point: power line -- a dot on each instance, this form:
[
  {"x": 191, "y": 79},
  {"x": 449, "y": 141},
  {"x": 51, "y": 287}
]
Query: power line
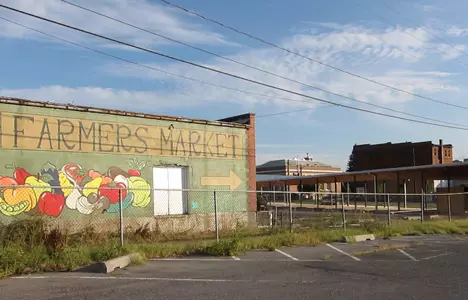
[
  {"x": 311, "y": 59},
  {"x": 154, "y": 68},
  {"x": 292, "y": 111},
  {"x": 385, "y": 20},
  {"x": 427, "y": 31},
  {"x": 223, "y": 72},
  {"x": 250, "y": 66},
  {"x": 176, "y": 75}
]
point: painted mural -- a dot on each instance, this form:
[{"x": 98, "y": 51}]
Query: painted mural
[{"x": 51, "y": 189}]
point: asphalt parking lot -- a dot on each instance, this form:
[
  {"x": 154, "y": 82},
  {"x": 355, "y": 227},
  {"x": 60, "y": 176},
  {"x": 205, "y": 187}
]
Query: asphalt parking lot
[{"x": 428, "y": 267}]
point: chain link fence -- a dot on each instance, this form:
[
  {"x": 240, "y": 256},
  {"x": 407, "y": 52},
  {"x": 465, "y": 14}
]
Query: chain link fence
[{"x": 156, "y": 214}]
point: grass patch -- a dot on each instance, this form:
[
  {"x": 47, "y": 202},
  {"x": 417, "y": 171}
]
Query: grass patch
[{"x": 26, "y": 247}]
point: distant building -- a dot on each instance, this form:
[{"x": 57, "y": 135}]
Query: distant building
[
  {"x": 388, "y": 155},
  {"x": 297, "y": 167}
]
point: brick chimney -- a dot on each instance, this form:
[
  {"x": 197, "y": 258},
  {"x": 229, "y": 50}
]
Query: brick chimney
[{"x": 441, "y": 151}]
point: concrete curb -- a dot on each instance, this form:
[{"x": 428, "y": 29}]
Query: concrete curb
[
  {"x": 359, "y": 238},
  {"x": 108, "y": 266}
]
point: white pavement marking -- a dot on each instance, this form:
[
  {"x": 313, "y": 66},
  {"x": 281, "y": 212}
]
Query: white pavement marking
[
  {"x": 345, "y": 253},
  {"x": 285, "y": 254},
  {"x": 235, "y": 257},
  {"x": 435, "y": 256},
  {"x": 155, "y": 279},
  {"x": 407, "y": 255},
  {"x": 190, "y": 259}
]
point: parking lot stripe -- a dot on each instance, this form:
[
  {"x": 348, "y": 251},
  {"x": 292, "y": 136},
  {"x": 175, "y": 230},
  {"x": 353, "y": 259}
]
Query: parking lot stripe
[
  {"x": 285, "y": 254},
  {"x": 407, "y": 255},
  {"x": 435, "y": 256},
  {"x": 345, "y": 253}
]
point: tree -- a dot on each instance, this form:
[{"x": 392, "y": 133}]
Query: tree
[{"x": 351, "y": 163}]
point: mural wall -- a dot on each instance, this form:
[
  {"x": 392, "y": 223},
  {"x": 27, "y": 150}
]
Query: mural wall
[{"x": 73, "y": 164}]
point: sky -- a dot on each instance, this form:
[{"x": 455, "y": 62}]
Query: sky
[{"x": 414, "y": 45}]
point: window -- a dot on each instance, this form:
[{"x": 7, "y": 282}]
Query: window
[
  {"x": 169, "y": 197},
  {"x": 435, "y": 151}
]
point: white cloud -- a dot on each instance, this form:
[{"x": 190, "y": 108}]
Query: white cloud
[
  {"x": 143, "y": 13},
  {"x": 131, "y": 100},
  {"x": 349, "y": 47}
]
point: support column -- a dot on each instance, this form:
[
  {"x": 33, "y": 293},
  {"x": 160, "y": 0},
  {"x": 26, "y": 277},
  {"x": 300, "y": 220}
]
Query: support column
[
  {"x": 398, "y": 189},
  {"x": 375, "y": 193},
  {"x": 336, "y": 194},
  {"x": 365, "y": 193}
]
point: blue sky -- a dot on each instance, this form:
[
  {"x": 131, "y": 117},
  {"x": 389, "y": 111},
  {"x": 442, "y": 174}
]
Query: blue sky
[{"x": 407, "y": 49}]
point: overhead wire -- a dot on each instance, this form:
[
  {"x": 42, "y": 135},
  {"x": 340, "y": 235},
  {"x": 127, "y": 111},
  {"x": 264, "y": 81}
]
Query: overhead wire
[
  {"x": 223, "y": 72},
  {"x": 156, "y": 69},
  {"x": 250, "y": 66},
  {"x": 423, "y": 29},
  {"x": 385, "y": 20},
  {"x": 309, "y": 58}
]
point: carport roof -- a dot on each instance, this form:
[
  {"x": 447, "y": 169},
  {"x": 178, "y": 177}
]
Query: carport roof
[{"x": 458, "y": 170}]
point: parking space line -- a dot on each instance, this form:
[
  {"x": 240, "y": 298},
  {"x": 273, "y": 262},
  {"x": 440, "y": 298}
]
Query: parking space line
[
  {"x": 343, "y": 252},
  {"x": 407, "y": 255},
  {"x": 235, "y": 257},
  {"x": 435, "y": 256},
  {"x": 190, "y": 259},
  {"x": 285, "y": 254}
]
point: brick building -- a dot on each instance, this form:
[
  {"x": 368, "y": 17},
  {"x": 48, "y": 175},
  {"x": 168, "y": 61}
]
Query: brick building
[
  {"x": 389, "y": 155},
  {"x": 298, "y": 167}
]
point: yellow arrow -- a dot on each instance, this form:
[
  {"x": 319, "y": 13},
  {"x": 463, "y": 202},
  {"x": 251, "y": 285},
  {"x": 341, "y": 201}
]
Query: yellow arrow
[{"x": 233, "y": 181}]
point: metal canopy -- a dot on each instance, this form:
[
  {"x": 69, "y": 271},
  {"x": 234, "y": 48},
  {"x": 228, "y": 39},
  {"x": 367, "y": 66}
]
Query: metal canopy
[{"x": 458, "y": 170}]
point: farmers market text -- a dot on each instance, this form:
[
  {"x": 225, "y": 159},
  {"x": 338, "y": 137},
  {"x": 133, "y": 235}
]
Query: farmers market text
[{"x": 34, "y": 132}]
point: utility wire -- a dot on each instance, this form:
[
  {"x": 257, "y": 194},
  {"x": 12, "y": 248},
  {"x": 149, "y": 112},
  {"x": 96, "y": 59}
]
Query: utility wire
[
  {"x": 422, "y": 28},
  {"x": 292, "y": 111},
  {"x": 250, "y": 66},
  {"x": 223, "y": 72},
  {"x": 311, "y": 59},
  {"x": 160, "y": 70},
  {"x": 385, "y": 20}
]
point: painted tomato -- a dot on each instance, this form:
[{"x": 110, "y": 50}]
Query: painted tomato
[{"x": 112, "y": 191}]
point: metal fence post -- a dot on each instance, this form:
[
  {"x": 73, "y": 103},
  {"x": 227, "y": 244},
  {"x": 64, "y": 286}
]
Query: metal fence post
[
  {"x": 388, "y": 210},
  {"x": 216, "y": 216},
  {"x": 422, "y": 206},
  {"x": 450, "y": 208},
  {"x": 347, "y": 190},
  {"x": 343, "y": 213},
  {"x": 121, "y": 219},
  {"x": 290, "y": 212}
]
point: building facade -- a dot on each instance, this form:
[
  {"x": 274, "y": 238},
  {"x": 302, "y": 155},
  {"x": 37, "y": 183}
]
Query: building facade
[
  {"x": 81, "y": 158},
  {"x": 389, "y": 155},
  {"x": 296, "y": 167}
]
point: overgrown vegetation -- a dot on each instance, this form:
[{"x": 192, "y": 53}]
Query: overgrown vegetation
[{"x": 28, "y": 246}]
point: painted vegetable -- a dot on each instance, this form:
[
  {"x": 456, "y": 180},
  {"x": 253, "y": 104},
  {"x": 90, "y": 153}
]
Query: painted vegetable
[
  {"x": 74, "y": 173},
  {"x": 92, "y": 186},
  {"x": 38, "y": 186},
  {"x": 116, "y": 171},
  {"x": 113, "y": 191},
  {"x": 126, "y": 202},
  {"x": 141, "y": 189},
  {"x": 135, "y": 167},
  {"x": 50, "y": 174},
  {"x": 65, "y": 184},
  {"x": 6, "y": 182},
  {"x": 51, "y": 204},
  {"x": 21, "y": 175},
  {"x": 84, "y": 207},
  {"x": 17, "y": 200},
  {"x": 72, "y": 199}
]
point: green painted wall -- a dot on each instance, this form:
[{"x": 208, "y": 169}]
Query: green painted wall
[{"x": 20, "y": 137}]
